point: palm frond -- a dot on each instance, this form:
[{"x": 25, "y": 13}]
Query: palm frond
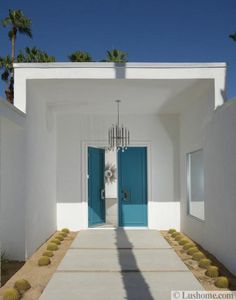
[
  {"x": 233, "y": 36},
  {"x": 6, "y": 21},
  {"x": 116, "y": 55},
  {"x": 80, "y": 56},
  {"x": 19, "y": 22},
  {"x": 34, "y": 55},
  {"x": 10, "y": 34},
  {"x": 5, "y": 75},
  {"x": 6, "y": 66}
]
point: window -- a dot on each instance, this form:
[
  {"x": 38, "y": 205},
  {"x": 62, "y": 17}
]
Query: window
[{"x": 195, "y": 184}]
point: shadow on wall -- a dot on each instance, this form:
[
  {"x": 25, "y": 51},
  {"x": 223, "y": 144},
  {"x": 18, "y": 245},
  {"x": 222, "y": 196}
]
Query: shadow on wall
[
  {"x": 134, "y": 283},
  {"x": 223, "y": 91},
  {"x": 120, "y": 70},
  {"x": 224, "y": 95},
  {"x": 171, "y": 125}
]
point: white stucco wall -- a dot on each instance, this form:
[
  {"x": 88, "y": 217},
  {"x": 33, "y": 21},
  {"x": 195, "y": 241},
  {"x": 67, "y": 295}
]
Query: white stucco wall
[
  {"x": 214, "y": 131},
  {"x": 40, "y": 172},
  {"x": 27, "y": 177},
  {"x": 162, "y": 134},
  {"x": 12, "y": 184},
  {"x": 54, "y": 149},
  {"x": 111, "y": 191},
  {"x": 220, "y": 166},
  {"x": 193, "y": 122}
]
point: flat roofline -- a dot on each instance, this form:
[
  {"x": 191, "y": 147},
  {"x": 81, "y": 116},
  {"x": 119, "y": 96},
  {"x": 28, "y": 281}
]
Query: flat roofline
[{"x": 151, "y": 65}]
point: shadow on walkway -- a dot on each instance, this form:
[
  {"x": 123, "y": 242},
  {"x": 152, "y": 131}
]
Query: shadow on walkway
[{"x": 134, "y": 283}]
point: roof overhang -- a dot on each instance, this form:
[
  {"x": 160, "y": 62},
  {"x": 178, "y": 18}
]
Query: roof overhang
[{"x": 168, "y": 80}]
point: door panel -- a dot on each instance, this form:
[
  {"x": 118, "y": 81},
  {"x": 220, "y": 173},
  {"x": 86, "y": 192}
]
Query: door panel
[
  {"x": 96, "y": 203},
  {"x": 132, "y": 165}
]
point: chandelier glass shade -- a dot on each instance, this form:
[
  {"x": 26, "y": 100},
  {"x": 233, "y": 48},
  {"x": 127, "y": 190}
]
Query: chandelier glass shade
[{"x": 118, "y": 135}]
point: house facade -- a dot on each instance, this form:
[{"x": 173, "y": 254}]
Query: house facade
[{"x": 181, "y": 157}]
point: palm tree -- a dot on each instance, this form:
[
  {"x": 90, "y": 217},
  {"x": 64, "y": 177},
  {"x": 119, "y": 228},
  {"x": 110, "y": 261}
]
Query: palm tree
[
  {"x": 34, "y": 55},
  {"x": 233, "y": 36},
  {"x": 7, "y": 67},
  {"x": 80, "y": 56},
  {"x": 117, "y": 56},
  {"x": 18, "y": 22}
]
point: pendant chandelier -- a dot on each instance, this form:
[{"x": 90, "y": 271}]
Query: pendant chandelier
[{"x": 118, "y": 136}]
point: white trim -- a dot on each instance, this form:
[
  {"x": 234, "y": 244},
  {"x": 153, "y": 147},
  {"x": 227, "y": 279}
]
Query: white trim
[
  {"x": 118, "y": 65},
  {"x": 84, "y": 183}
]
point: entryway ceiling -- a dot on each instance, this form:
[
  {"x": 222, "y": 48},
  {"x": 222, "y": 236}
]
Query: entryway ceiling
[{"x": 139, "y": 96}]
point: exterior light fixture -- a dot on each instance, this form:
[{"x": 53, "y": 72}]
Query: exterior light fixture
[{"x": 118, "y": 135}]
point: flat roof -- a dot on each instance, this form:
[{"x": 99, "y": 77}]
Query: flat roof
[
  {"x": 150, "y": 65},
  {"x": 146, "y": 71}
]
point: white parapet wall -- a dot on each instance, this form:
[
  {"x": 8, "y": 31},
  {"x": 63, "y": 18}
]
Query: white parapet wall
[
  {"x": 40, "y": 173},
  {"x": 215, "y": 134},
  {"x": 220, "y": 173},
  {"x": 12, "y": 184}
]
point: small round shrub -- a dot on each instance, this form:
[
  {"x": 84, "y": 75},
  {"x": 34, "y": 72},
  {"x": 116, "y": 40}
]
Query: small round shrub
[
  {"x": 173, "y": 235},
  {"x": 59, "y": 237},
  {"x": 11, "y": 294},
  {"x": 48, "y": 253},
  {"x": 56, "y": 238},
  {"x": 179, "y": 237},
  {"x": 204, "y": 263},
  {"x": 22, "y": 285},
  {"x": 63, "y": 234},
  {"x": 188, "y": 246},
  {"x": 192, "y": 250},
  {"x": 66, "y": 230},
  {"x": 56, "y": 241},
  {"x": 183, "y": 241},
  {"x": 198, "y": 255},
  {"x": 222, "y": 282},
  {"x": 172, "y": 230},
  {"x": 52, "y": 247},
  {"x": 212, "y": 271},
  {"x": 44, "y": 261}
]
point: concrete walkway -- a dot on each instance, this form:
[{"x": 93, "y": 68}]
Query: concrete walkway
[{"x": 119, "y": 264}]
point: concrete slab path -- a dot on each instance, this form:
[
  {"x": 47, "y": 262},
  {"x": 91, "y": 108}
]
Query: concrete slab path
[{"x": 119, "y": 264}]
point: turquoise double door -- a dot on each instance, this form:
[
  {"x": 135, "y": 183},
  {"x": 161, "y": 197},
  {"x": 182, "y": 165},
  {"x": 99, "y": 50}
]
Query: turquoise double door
[
  {"x": 96, "y": 186},
  {"x": 132, "y": 187}
]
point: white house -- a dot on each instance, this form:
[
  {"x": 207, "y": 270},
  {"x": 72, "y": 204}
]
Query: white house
[{"x": 183, "y": 161}]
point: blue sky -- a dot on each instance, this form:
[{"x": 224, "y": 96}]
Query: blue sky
[{"x": 149, "y": 30}]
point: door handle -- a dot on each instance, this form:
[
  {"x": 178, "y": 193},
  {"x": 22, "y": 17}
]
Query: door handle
[
  {"x": 126, "y": 195},
  {"x": 102, "y": 194}
]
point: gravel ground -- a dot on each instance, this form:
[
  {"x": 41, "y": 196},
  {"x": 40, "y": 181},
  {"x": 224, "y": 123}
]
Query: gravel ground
[
  {"x": 39, "y": 276},
  {"x": 206, "y": 282}
]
